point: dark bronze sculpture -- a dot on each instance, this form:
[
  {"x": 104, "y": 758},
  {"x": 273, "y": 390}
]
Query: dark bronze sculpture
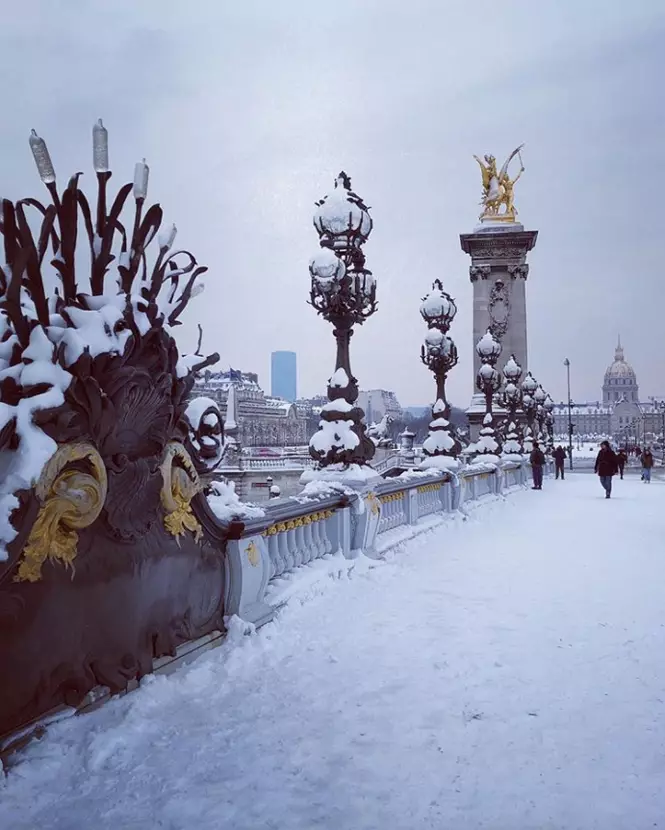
[{"x": 116, "y": 557}]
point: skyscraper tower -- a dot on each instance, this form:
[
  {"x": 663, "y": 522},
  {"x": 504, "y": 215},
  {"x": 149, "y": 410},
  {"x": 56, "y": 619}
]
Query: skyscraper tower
[{"x": 283, "y": 375}]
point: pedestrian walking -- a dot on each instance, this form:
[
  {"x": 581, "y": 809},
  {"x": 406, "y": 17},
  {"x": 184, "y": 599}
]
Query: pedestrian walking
[
  {"x": 622, "y": 458},
  {"x": 647, "y": 463},
  {"x": 559, "y": 456},
  {"x": 537, "y": 459},
  {"x": 606, "y": 466}
]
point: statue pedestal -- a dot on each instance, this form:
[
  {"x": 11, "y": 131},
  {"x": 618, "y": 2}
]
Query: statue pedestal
[{"x": 498, "y": 273}]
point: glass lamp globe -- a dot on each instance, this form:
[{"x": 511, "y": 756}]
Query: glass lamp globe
[
  {"x": 529, "y": 384},
  {"x": 342, "y": 214},
  {"x": 434, "y": 339},
  {"x": 512, "y": 371},
  {"x": 438, "y": 307},
  {"x": 488, "y": 374},
  {"x": 488, "y": 347}
]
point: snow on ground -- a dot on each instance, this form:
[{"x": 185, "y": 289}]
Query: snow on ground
[{"x": 503, "y": 672}]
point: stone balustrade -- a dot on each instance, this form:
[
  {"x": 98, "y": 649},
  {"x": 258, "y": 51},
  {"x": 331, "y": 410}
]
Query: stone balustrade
[{"x": 299, "y": 531}]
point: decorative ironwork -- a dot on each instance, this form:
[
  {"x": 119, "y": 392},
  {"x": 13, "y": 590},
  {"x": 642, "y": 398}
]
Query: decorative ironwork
[
  {"x": 530, "y": 409},
  {"x": 343, "y": 292},
  {"x": 439, "y": 354},
  {"x": 540, "y": 396},
  {"x": 548, "y": 405},
  {"x": 488, "y": 381},
  {"x": 510, "y": 399},
  {"x": 94, "y": 391}
]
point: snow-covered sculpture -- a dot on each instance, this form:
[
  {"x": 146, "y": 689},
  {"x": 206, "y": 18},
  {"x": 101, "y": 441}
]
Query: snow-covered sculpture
[
  {"x": 439, "y": 354},
  {"x": 510, "y": 399},
  {"x": 378, "y": 433},
  {"x": 109, "y": 554},
  {"x": 343, "y": 291},
  {"x": 488, "y": 381},
  {"x": 206, "y": 433}
]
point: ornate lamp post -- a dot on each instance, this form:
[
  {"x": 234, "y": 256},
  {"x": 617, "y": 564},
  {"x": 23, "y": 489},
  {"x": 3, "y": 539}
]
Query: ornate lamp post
[
  {"x": 343, "y": 292},
  {"x": 548, "y": 405},
  {"x": 510, "y": 399},
  {"x": 529, "y": 407},
  {"x": 540, "y": 396},
  {"x": 488, "y": 381},
  {"x": 439, "y": 354},
  {"x": 566, "y": 363}
]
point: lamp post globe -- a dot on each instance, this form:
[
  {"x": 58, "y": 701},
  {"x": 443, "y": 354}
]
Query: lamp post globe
[
  {"x": 488, "y": 381},
  {"x": 343, "y": 292}
]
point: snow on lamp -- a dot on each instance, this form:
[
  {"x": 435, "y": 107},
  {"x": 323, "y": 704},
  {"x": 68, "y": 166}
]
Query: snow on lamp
[
  {"x": 343, "y": 292},
  {"x": 548, "y": 405},
  {"x": 88, "y": 346},
  {"x": 488, "y": 381},
  {"x": 439, "y": 354},
  {"x": 540, "y": 396},
  {"x": 510, "y": 399},
  {"x": 530, "y": 408}
]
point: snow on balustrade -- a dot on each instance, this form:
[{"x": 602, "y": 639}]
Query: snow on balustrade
[
  {"x": 393, "y": 510},
  {"x": 429, "y": 499},
  {"x": 298, "y": 541},
  {"x": 329, "y": 527}
]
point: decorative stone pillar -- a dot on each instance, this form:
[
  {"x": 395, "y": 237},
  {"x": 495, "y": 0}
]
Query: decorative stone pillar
[{"x": 498, "y": 274}]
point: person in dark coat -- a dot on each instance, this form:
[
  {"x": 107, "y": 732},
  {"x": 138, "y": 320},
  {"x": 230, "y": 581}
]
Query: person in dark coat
[
  {"x": 537, "y": 459},
  {"x": 647, "y": 463},
  {"x": 621, "y": 461},
  {"x": 559, "y": 456},
  {"x": 606, "y": 467}
]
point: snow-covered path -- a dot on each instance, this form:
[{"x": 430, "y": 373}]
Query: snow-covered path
[{"x": 504, "y": 672}]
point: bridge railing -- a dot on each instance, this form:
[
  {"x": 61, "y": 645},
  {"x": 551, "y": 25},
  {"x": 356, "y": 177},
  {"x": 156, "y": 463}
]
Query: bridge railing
[{"x": 338, "y": 526}]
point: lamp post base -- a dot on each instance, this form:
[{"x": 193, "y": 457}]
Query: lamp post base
[{"x": 355, "y": 476}]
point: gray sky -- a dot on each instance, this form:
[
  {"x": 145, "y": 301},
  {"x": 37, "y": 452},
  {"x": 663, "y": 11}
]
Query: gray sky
[{"x": 246, "y": 111}]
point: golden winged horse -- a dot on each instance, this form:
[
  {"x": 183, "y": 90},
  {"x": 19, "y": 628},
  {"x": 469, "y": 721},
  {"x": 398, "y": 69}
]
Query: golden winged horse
[{"x": 498, "y": 187}]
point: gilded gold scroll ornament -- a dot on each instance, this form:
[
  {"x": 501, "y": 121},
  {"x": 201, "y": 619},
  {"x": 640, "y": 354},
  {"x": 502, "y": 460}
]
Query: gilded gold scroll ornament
[
  {"x": 252, "y": 554},
  {"x": 71, "y": 499},
  {"x": 180, "y": 484}
]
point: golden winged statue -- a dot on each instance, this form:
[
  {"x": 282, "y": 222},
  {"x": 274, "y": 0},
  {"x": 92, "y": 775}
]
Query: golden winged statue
[{"x": 498, "y": 188}]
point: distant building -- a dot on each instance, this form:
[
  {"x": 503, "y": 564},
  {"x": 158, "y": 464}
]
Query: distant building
[
  {"x": 310, "y": 410},
  {"x": 620, "y": 416},
  {"x": 418, "y": 411},
  {"x": 264, "y": 421},
  {"x": 379, "y": 402},
  {"x": 283, "y": 375}
]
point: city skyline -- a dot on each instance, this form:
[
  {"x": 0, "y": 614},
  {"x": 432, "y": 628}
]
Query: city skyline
[{"x": 576, "y": 84}]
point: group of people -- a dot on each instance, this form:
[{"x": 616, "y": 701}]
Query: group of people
[{"x": 608, "y": 464}]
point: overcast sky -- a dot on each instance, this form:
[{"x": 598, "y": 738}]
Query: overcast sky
[{"x": 245, "y": 111}]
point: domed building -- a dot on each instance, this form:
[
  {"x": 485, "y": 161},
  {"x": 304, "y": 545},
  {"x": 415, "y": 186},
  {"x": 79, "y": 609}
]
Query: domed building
[
  {"x": 620, "y": 416},
  {"x": 620, "y": 383}
]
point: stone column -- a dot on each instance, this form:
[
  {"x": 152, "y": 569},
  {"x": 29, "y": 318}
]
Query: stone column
[{"x": 498, "y": 273}]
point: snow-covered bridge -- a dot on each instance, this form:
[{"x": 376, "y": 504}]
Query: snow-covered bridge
[{"x": 501, "y": 671}]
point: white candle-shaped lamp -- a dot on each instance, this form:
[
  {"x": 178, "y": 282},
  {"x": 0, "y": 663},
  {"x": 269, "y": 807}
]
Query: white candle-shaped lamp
[
  {"x": 100, "y": 148},
  {"x": 141, "y": 173},
  {"x": 42, "y": 158},
  {"x": 167, "y": 237}
]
